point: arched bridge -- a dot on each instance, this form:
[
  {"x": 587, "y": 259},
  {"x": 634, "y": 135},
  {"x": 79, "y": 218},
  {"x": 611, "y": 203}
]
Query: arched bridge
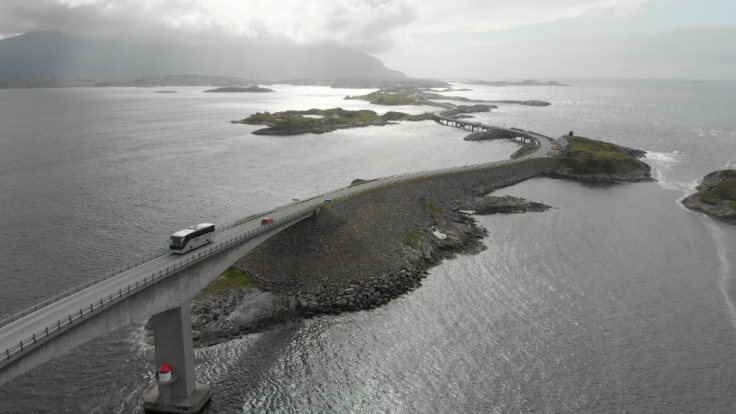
[{"x": 162, "y": 285}]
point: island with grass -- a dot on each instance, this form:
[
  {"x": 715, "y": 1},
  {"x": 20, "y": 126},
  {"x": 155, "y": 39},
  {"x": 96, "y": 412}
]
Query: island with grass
[
  {"x": 412, "y": 95},
  {"x": 716, "y": 196},
  {"x": 319, "y": 121},
  {"x": 240, "y": 89},
  {"x": 590, "y": 160},
  {"x": 385, "y": 98}
]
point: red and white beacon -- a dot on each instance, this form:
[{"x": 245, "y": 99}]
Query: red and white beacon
[{"x": 164, "y": 372}]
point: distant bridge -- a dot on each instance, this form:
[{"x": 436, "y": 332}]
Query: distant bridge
[
  {"x": 162, "y": 285},
  {"x": 516, "y": 133}
]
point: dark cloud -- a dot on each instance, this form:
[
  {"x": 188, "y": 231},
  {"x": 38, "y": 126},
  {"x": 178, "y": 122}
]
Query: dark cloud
[
  {"x": 478, "y": 38},
  {"x": 366, "y": 24}
]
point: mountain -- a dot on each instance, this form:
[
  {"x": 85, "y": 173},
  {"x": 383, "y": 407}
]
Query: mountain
[{"x": 51, "y": 54}]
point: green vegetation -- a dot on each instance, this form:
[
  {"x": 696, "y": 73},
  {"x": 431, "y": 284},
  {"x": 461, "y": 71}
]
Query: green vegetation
[
  {"x": 436, "y": 211},
  {"x": 232, "y": 278},
  {"x": 382, "y": 98},
  {"x": 726, "y": 189},
  {"x": 359, "y": 181},
  {"x": 522, "y": 150},
  {"x": 727, "y": 174},
  {"x": 413, "y": 239},
  {"x": 723, "y": 193},
  {"x": 327, "y": 117},
  {"x": 395, "y": 116},
  {"x": 587, "y": 156},
  {"x": 240, "y": 89}
]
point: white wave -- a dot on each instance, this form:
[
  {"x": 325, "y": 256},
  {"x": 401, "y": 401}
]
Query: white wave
[
  {"x": 664, "y": 159},
  {"x": 663, "y": 162}
]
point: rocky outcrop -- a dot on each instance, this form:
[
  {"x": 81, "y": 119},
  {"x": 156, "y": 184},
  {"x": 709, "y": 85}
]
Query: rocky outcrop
[
  {"x": 431, "y": 95},
  {"x": 641, "y": 174},
  {"x": 525, "y": 150},
  {"x": 535, "y": 103},
  {"x": 716, "y": 196},
  {"x": 503, "y": 205},
  {"x": 493, "y": 133},
  {"x": 467, "y": 109},
  {"x": 315, "y": 129},
  {"x": 221, "y": 317},
  {"x": 598, "y": 161},
  {"x": 527, "y": 103}
]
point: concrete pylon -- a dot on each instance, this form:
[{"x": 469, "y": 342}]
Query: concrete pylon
[{"x": 172, "y": 338}]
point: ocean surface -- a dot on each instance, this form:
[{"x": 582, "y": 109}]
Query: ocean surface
[{"x": 617, "y": 300}]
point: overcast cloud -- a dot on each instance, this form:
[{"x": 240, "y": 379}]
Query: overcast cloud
[{"x": 469, "y": 38}]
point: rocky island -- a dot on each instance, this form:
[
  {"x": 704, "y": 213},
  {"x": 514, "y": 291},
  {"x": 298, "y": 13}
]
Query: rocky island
[
  {"x": 384, "y": 98},
  {"x": 319, "y": 121},
  {"x": 590, "y": 160},
  {"x": 716, "y": 196},
  {"x": 240, "y": 89},
  {"x": 413, "y": 95}
]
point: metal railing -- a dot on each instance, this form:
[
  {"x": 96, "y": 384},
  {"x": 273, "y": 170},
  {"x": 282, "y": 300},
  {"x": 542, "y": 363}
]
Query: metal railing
[
  {"x": 8, "y": 319},
  {"x": 36, "y": 338},
  {"x": 67, "y": 321}
]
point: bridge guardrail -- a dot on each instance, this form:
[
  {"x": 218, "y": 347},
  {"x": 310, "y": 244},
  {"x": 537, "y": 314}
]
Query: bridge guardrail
[
  {"x": 62, "y": 323},
  {"x": 8, "y": 319}
]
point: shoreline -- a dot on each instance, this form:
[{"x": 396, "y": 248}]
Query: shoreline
[
  {"x": 360, "y": 253},
  {"x": 715, "y": 196}
]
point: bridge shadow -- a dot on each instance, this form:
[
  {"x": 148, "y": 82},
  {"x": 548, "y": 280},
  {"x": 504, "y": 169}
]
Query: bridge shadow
[{"x": 240, "y": 365}]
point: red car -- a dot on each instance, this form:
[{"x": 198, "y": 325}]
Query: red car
[{"x": 266, "y": 220}]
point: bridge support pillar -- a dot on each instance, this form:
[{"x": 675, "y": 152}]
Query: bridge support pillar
[{"x": 172, "y": 338}]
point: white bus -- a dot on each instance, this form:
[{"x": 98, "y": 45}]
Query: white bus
[{"x": 189, "y": 239}]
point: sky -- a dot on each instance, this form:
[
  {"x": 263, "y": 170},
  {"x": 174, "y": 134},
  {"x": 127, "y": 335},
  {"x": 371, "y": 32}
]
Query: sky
[{"x": 484, "y": 39}]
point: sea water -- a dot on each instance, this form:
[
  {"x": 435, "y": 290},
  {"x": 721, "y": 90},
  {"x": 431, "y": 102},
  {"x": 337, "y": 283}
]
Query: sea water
[{"x": 618, "y": 299}]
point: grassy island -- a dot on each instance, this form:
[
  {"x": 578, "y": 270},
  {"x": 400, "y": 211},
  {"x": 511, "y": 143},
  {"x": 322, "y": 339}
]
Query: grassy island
[
  {"x": 590, "y": 160},
  {"x": 383, "y": 98},
  {"x": 588, "y": 156},
  {"x": 716, "y": 196},
  {"x": 719, "y": 189},
  {"x": 317, "y": 120},
  {"x": 318, "y": 117},
  {"x": 238, "y": 89}
]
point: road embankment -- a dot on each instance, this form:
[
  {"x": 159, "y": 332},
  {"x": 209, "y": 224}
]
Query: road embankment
[{"x": 360, "y": 252}]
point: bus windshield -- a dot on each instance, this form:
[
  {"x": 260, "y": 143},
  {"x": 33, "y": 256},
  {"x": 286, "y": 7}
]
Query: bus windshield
[{"x": 176, "y": 242}]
